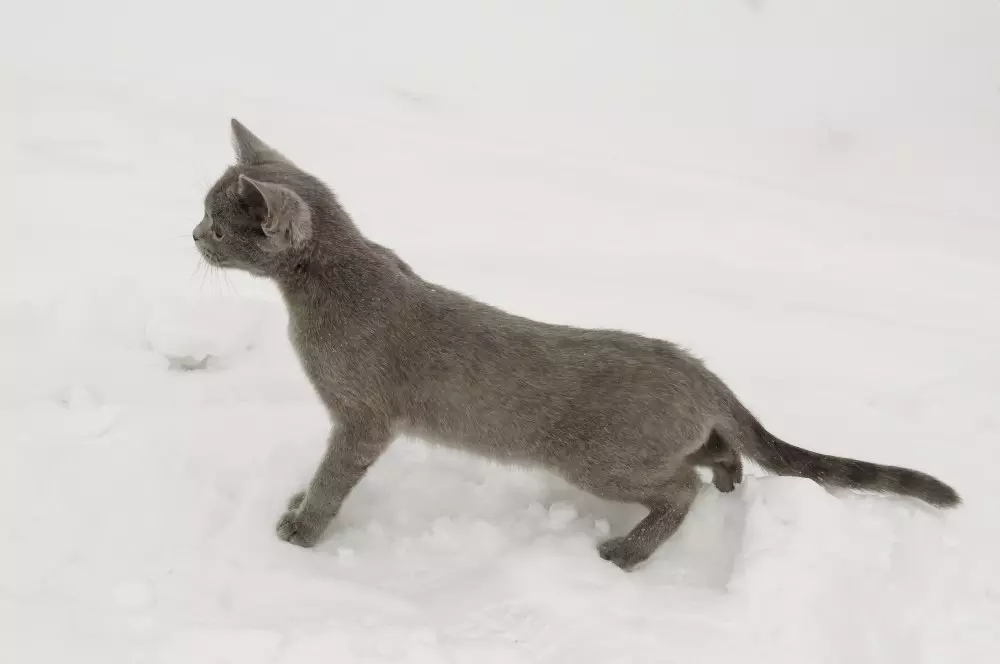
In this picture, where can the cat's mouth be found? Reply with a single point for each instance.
(211, 257)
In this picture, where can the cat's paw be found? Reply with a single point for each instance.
(724, 482)
(622, 552)
(294, 528)
(726, 475)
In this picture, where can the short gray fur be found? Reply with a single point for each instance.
(622, 416)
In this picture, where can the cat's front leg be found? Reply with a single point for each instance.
(353, 447)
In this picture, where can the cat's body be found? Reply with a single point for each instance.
(622, 416)
(460, 373)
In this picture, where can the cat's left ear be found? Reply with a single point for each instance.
(288, 222)
(249, 149)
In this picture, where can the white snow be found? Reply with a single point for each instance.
(805, 193)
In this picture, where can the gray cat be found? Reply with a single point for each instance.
(624, 417)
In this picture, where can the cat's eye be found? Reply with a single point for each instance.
(216, 232)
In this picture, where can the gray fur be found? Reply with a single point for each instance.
(622, 416)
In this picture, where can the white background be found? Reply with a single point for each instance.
(804, 192)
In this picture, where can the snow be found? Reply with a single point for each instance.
(805, 193)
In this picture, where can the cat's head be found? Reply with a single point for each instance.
(260, 215)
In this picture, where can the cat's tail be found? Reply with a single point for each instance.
(779, 457)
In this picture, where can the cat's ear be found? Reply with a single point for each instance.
(249, 149)
(288, 222)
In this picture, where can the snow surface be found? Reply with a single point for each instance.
(806, 193)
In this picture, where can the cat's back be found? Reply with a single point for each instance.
(449, 322)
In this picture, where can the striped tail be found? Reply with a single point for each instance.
(779, 457)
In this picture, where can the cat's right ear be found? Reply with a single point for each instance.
(249, 149)
(288, 221)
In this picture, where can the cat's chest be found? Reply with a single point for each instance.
(316, 348)
(327, 352)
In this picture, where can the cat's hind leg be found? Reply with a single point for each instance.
(719, 456)
(666, 512)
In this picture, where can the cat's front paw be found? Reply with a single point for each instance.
(297, 529)
(622, 552)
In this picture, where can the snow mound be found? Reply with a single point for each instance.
(192, 333)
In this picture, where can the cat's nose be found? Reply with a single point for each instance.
(199, 231)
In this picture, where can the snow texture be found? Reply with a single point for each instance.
(805, 193)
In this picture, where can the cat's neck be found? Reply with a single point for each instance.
(337, 276)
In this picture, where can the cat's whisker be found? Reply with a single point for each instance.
(219, 278)
(199, 266)
(232, 288)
